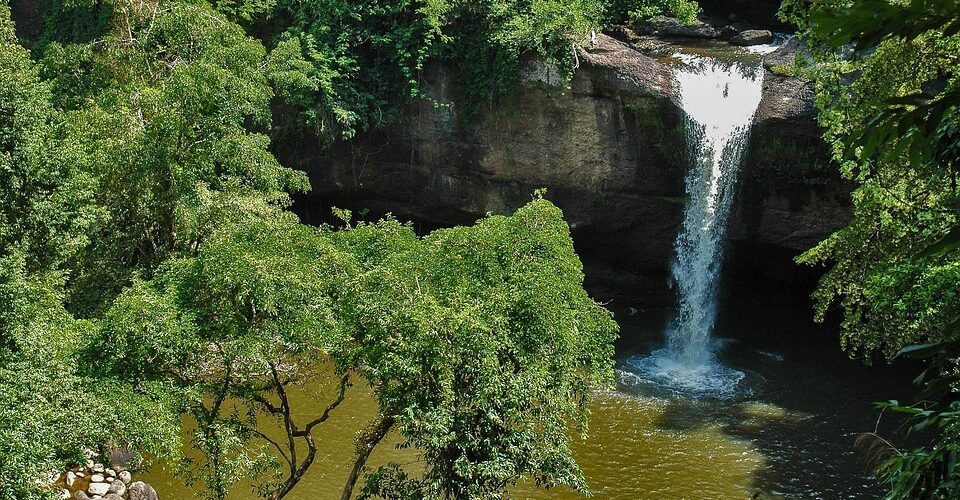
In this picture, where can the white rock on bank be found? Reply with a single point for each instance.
(98, 489)
(118, 487)
(142, 491)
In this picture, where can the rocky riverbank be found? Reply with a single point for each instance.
(96, 481)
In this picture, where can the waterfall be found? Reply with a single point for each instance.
(719, 100)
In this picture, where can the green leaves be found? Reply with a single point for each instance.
(162, 125)
(890, 107)
(483, 346)
(867, 22)
(51, 407)
(144, 199)
(479, 343)
(684, 10)
(368, 58)
(895, 136)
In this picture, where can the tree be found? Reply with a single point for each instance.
(481, 346)
(479, 343)
(148, 261)
(167, 116)
(874, 110)
(251, 312)
(51, 409)
(888, 95)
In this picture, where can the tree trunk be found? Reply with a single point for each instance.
(372, 439)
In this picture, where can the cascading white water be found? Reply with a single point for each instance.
(719, 101)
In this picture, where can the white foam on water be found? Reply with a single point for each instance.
(711, 379)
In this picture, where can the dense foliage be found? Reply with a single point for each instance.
(618, 11)
(358, 63)
(149, 270)
(906, 197)
(50, 405)
(888, 81)
(366, 57)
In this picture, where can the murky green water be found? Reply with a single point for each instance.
(789, 433)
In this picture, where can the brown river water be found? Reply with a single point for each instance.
(788, 433)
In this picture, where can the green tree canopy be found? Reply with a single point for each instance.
(149, 272)
(888, 78)
(873, 109)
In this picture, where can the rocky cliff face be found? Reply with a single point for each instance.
(609, 149)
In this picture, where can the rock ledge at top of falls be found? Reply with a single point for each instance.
(787, 98)
(612, 65)
(672, 27)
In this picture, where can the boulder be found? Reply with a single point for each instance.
(614, 67)
(752, 37)
(80, 495)
(118, 487)
(140, 490)
(97, 478)
(125, 476)
(728, 32)
(672, 27)
(112, 496)
(787, 54)
(98, 488)
(121, 458)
